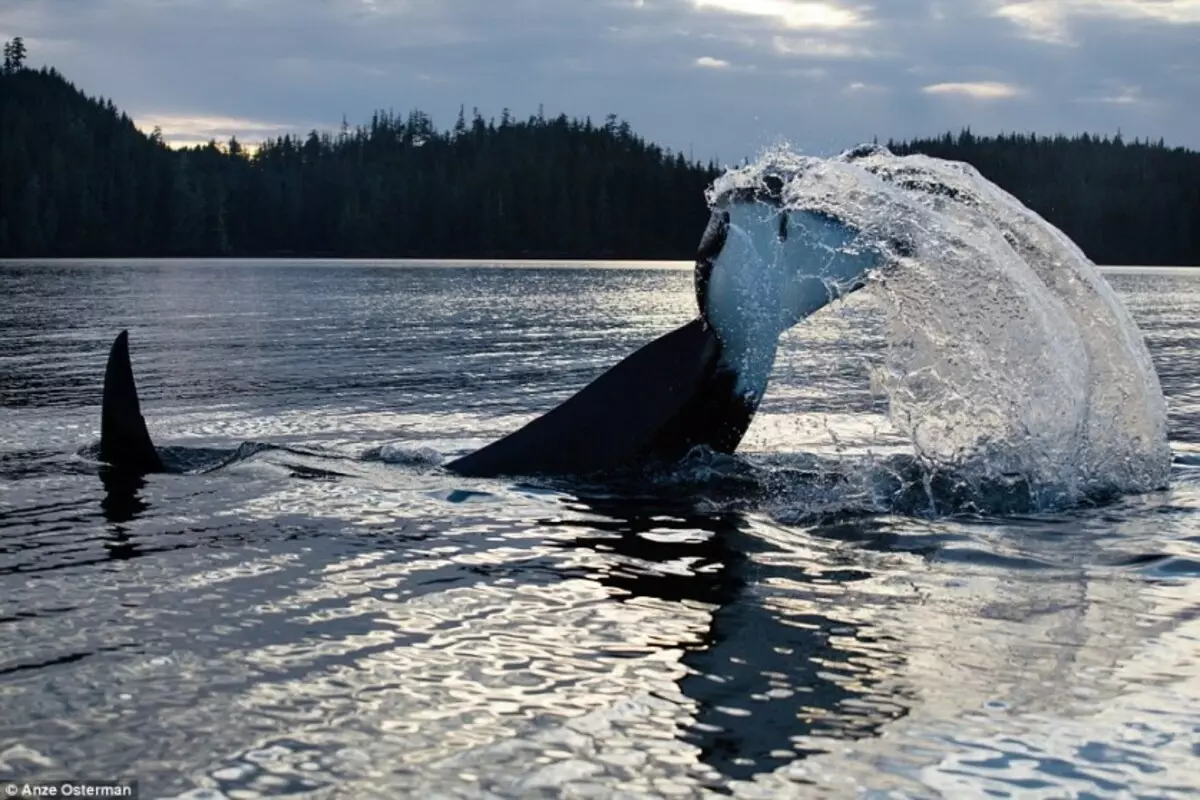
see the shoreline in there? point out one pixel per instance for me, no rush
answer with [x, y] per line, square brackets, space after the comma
[492, 263]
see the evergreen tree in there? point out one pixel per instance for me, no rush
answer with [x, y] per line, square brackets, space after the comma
[14, 55]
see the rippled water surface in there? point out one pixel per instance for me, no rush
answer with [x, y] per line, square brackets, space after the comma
[331, 613]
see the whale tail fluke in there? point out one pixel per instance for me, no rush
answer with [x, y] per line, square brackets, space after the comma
[124, 441]
[667, 397]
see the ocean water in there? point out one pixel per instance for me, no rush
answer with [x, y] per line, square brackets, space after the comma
[331, 615]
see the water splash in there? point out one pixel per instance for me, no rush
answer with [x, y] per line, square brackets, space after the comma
[404, 455]
[1009, 355]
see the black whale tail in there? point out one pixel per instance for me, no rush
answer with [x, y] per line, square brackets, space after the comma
[673, 394]
[125, 443]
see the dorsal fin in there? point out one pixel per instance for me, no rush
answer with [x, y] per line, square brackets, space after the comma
[124, 441]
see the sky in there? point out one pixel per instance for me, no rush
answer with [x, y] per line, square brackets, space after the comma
[717, 79]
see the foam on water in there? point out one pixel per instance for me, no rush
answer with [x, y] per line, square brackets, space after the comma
[1009, 354]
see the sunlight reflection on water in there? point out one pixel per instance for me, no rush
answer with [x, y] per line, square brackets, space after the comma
[317, 617]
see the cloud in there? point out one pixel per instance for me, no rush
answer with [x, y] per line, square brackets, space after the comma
[824, 74]
[814, 47]
[980, 90]
[187, 130]
[1118, 94]
[1052, 20]
[792, 14]
[859, 86]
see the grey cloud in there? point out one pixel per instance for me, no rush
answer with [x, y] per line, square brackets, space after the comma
[303, 63]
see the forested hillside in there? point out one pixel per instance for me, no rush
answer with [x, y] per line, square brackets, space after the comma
[1121, 202]
[77, 178]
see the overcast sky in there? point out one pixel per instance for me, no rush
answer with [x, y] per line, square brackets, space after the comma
[720, 77]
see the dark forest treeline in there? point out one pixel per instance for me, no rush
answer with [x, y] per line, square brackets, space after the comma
[78, 179]
[1121, 202]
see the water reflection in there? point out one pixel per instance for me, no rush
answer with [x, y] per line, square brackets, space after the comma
[122, 500]
[774, 670]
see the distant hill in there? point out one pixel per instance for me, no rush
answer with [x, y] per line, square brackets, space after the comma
[77, 178]
[1121, 202]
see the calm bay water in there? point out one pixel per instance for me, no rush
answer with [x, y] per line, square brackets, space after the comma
[331, 613]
